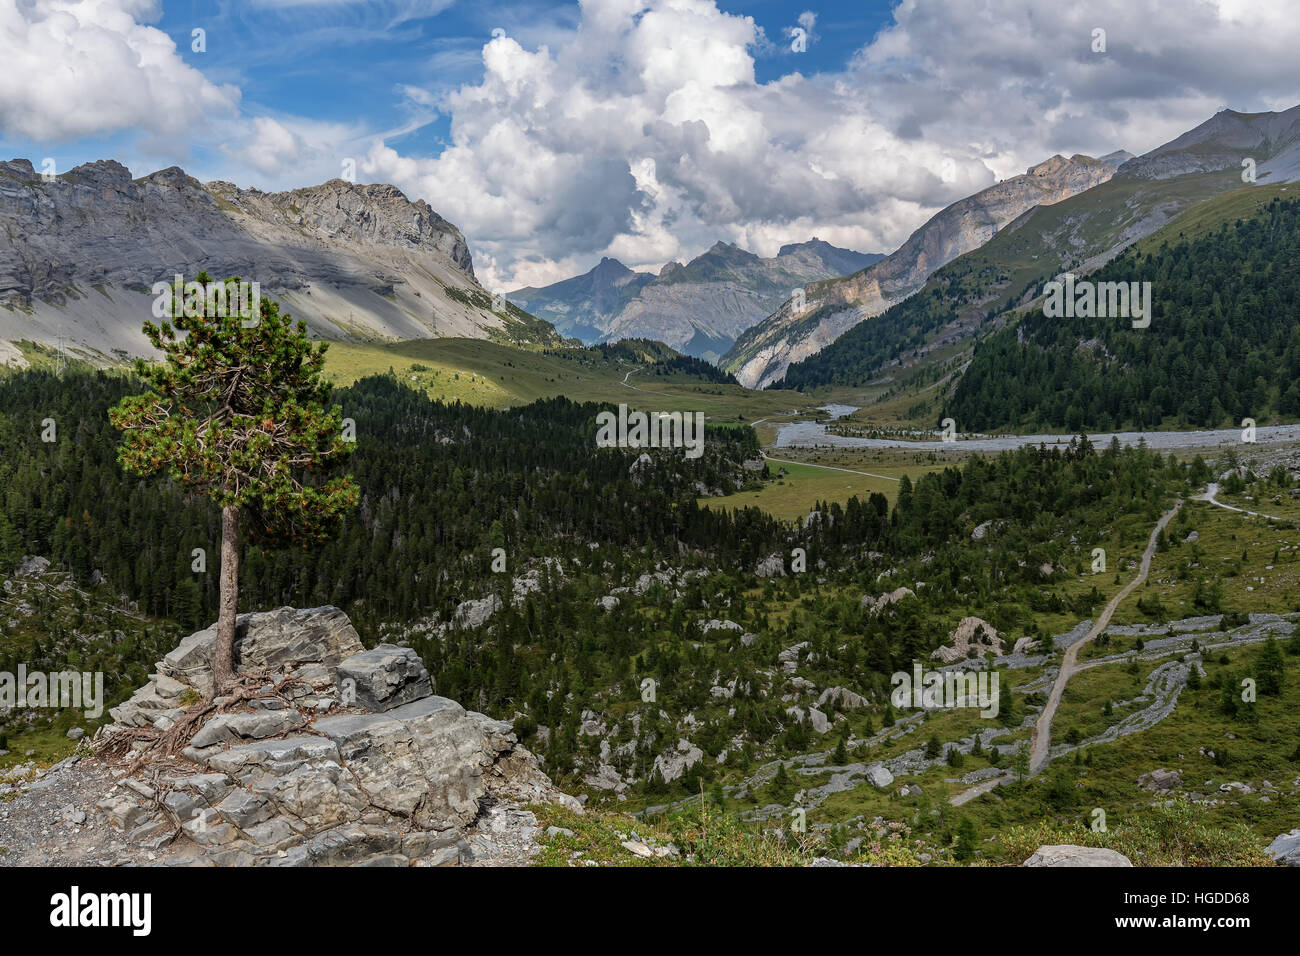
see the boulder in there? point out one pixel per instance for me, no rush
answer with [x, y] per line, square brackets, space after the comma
[267, 640]
[32, 566]
[383, 678]
[1160, 780]
[818, 720]
[878, 776]
[1067, 855]
[1286, 848]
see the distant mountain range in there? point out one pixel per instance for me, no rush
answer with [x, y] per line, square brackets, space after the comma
[1195, 185]
[79, 253]
[698, 308]
[830, 308]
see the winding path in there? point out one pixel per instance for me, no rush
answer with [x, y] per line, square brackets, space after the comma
[1042, 737]
[1069, 663]
[788, 461]
[1210, 495]
[645, 391]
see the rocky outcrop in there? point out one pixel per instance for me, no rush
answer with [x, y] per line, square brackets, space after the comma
[340, 756]
[673, 763]
[841, 698]
[80, 252]
[876, 605]
[972, 634]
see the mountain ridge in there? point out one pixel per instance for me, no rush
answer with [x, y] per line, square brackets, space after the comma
[356, 262]
[1147, 196]
[698, 306]
[763, 353]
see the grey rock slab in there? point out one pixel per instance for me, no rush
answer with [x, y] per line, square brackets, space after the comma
[1286, 848]
[351, 843]
[425, 759]
[225, 727]
[210, 786]
[321, 794]
[245, 809]
[1068, 855]
[383, 678]
[267, 754]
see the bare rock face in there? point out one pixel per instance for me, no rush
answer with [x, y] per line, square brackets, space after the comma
[343, 756]
[1067, 855]
[885, 601]
[1221, 142]
[80, 252]
[970, 634]
[763, 353]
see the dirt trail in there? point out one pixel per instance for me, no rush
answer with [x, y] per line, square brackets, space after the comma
[1069, 663]
[1211, 495]
[1042, 738]
[789, 461]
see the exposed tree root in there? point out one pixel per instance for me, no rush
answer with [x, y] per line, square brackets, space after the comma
[163, 744]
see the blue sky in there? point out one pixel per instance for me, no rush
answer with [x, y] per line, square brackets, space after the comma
[554, 133]
[348, 62]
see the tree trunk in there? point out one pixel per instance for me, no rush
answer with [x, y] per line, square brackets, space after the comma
[223, 658]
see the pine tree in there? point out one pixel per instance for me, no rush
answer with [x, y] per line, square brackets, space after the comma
[236, 412]
[1008, 716]
[11, 546]
[1271, 667]
[966, 836]
[1021, 762]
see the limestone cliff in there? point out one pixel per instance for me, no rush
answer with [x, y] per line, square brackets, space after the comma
[79, 253]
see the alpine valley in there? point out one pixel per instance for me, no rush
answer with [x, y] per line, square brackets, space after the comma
[530, 640]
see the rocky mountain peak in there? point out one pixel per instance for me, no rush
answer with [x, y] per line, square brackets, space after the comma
[1272, 140]
[763, 353]
[1049, 166]
[353, 260]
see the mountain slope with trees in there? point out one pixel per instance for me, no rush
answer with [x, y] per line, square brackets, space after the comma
[1223, 345]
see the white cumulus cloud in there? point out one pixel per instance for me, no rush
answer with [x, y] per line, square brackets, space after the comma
[74, 68]
[644, 134]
